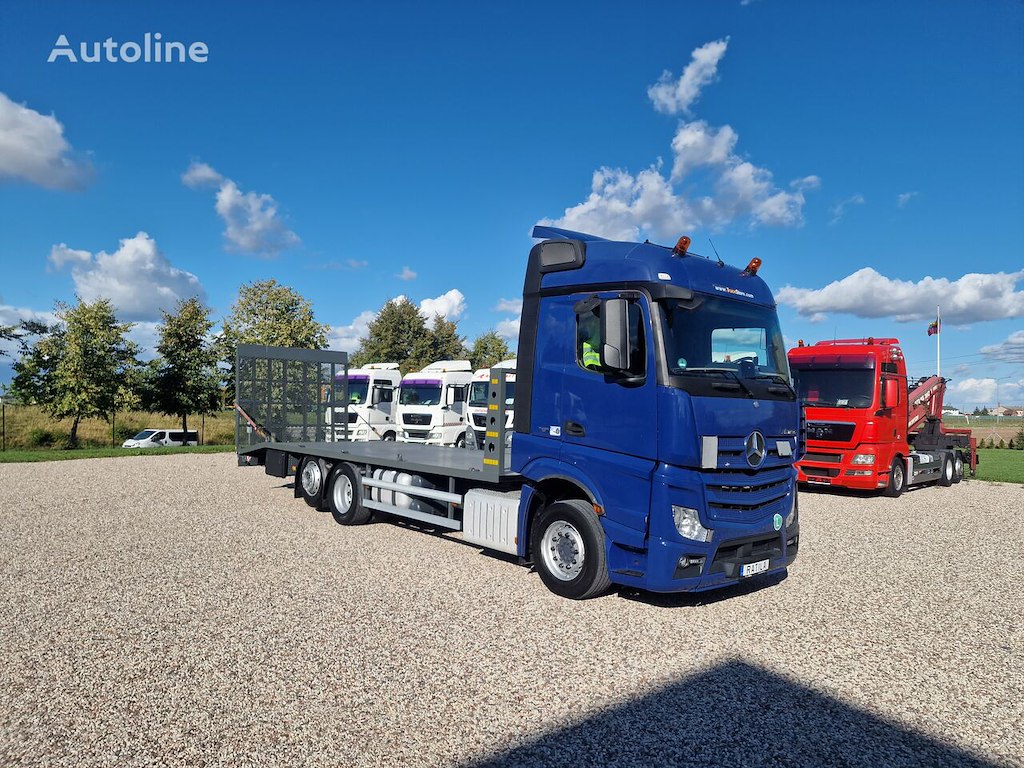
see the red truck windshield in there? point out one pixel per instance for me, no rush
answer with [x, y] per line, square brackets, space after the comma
[835, 387]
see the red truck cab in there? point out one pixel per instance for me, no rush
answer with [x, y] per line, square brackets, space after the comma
[866, 428]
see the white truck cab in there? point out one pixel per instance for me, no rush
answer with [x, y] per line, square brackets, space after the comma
[476, 403]
[157, 438]
[432, 404]
[371, 404]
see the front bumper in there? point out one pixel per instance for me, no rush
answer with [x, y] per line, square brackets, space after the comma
[690, 566]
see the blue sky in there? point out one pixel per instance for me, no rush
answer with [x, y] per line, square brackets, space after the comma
[871, 153]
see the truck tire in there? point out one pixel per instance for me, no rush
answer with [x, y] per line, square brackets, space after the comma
[958, 467]
[310, 480]
[946, 479]
[345, 496]
[389, 437]
[460, 441]
[897, 478]
[567, 542]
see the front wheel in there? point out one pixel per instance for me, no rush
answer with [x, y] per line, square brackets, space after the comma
[897, 478]
[460, 441]
[389, 437]
[345, 498]
[567, 542]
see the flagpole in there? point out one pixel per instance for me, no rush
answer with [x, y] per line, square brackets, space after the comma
[938, 338]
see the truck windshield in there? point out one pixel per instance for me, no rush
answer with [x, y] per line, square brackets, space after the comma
[357, 389]
[420, 394]
[478, 394]
[835, 387]
[723, 347]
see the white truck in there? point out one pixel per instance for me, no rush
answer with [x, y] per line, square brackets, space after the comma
[476, 404]
[370, 414]
[432, 404]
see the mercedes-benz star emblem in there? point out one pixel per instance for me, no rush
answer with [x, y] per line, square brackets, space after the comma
[756, 450]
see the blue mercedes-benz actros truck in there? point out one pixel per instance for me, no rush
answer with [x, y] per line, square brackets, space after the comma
[655, 428]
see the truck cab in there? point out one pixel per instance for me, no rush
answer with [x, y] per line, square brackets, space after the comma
[867, 427]
[370, 414]
[476, 404]
[432, 404]
[652, 385]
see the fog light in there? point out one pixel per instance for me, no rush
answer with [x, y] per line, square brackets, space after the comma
[859, 472]
[687, 560]
[688, 524]
[864, 459]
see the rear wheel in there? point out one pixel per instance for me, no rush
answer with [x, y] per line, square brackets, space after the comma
[897, 478]
[567, 542]
[311, 481]
[958, 467]
[344, 497]
[948, 471]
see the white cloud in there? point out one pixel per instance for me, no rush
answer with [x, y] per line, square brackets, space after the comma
[866, 293]
[201, 175]
[346, 337]
[904, 198]
[839, 209]
[33, 149]
[675, 96]
[509, 327]
[61, 255]
[985, 392]
[622, 205]
[406, 274]
[510, 305]
[13, 316]
[449, 305]
[146, 334]
[137, 278]
[253, 224]
[1009, 351]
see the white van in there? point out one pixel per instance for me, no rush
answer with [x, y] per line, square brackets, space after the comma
[155, 438]
[432, 403]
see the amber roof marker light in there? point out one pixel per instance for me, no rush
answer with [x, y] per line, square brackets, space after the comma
[752, 267]
[682, 246]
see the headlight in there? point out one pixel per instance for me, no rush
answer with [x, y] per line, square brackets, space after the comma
[864, 458]
[791, 517]
[688, 524]
[435, 434]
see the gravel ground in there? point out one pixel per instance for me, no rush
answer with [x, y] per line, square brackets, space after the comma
[179, 610]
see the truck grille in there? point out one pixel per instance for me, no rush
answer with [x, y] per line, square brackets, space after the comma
[419, 419]
[831, 432]
[738, 496]
[480, 420]
[417, 434]
[825, 458]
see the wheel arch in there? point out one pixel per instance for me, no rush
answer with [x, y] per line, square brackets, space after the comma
[556, 486]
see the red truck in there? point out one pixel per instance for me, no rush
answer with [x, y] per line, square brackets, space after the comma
[867, 427]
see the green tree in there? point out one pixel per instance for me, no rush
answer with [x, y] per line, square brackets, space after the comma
[83, 367]
[392, 337]
[184, 377]
[267, 312]
[488, 349]
[440, 342]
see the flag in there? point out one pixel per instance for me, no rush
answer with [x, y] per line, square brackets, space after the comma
[933, 327]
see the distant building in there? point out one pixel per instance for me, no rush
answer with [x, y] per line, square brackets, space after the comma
[1008, 410]
[951, 412]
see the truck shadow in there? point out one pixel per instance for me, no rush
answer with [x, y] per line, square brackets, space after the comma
[734, 714]
[695, 599]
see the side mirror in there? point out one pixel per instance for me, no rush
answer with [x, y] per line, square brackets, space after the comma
[615, 352]
[890, 393]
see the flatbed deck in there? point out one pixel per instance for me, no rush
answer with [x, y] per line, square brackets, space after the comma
[413, 457]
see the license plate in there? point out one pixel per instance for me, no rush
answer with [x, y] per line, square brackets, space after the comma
[750, 569]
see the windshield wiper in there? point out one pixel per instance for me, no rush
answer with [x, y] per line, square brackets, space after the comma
[783, 387]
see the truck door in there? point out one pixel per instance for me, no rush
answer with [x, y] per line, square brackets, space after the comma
[609, 417]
